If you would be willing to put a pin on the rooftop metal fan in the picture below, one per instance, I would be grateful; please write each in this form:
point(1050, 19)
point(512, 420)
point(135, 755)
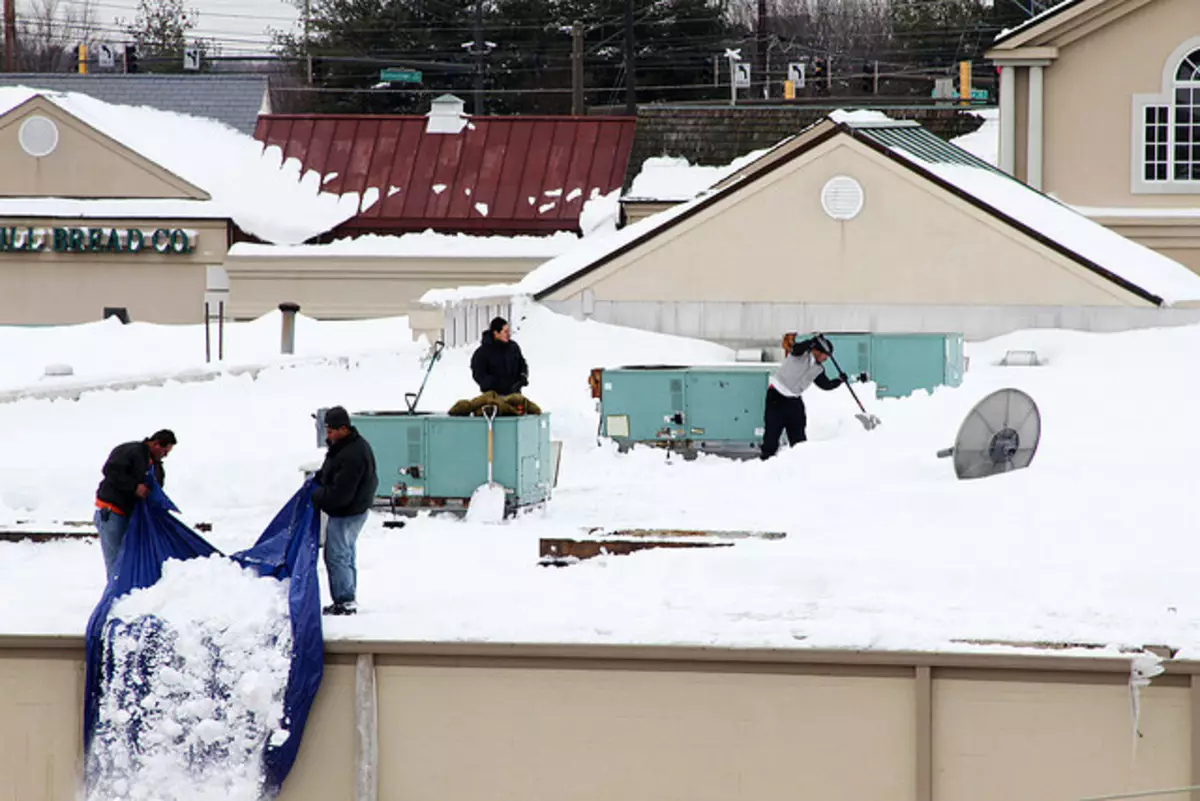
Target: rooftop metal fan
point(1000, 434)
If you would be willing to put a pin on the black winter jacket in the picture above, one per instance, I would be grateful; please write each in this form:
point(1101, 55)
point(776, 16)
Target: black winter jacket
point(499, 366)
point(125, 469)
point(347, 480)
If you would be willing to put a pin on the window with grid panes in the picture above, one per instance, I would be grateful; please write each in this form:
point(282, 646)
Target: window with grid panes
point(1186, 144)
point(1157, 127)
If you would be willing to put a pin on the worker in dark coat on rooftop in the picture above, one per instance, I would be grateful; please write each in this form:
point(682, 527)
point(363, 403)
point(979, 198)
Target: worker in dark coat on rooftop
point(497, 364)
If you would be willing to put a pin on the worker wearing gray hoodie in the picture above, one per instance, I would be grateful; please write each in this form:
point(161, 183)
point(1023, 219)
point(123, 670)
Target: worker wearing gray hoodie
point(803, 365)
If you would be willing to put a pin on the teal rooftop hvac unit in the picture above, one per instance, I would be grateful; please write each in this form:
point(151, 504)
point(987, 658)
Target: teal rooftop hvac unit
point(435, 461)
point(719, 409)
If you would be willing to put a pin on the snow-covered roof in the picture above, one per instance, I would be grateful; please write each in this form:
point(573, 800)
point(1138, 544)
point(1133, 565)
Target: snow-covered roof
point(427, 244)
point(589, 251)
point(1129, 264)
point(667, 178)
point(984, 141)
point(1036, 19)
point(247, 183)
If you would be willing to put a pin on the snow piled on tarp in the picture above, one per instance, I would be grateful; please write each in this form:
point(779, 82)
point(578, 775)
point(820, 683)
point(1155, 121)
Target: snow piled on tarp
point(202, 669)
point(251, 185)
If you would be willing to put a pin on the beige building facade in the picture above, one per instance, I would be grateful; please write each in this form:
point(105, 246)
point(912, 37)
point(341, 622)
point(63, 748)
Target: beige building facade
point(90, 227)
point(463, 722)
point(1100, 108)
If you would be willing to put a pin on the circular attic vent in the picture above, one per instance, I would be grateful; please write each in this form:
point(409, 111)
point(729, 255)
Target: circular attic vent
point(842, 197)
point(38, 136)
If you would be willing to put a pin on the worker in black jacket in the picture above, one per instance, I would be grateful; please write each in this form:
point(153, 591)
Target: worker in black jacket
point(497, 364)
point(124, 483)
point(345, 490)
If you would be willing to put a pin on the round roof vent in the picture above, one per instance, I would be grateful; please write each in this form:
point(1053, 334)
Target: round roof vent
point(38, 136)
point(842, 197)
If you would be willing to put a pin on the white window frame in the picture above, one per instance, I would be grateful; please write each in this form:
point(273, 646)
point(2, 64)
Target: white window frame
point(1166, 97)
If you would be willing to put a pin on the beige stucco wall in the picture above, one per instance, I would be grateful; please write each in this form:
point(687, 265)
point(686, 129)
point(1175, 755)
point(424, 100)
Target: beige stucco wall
point(85, 164)
point(543, 723)
point(1088, 107)
point(324, 769)
point(41, 724)
point(772, 242)
point(598, 735)
point(42, 288)
point(341, 287)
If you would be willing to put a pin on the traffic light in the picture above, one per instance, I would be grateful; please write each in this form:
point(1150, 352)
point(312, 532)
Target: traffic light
point(81, 59)
point(131, 58)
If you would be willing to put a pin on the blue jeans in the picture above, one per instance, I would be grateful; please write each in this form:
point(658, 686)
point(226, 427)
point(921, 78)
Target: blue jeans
point(111, 527)
point(341, 534)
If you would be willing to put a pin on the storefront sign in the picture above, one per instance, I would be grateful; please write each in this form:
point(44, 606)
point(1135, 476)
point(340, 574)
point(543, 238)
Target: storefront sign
point(170, 241)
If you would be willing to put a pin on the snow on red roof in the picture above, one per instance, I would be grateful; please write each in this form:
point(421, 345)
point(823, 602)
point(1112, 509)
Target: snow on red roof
point(497, 175)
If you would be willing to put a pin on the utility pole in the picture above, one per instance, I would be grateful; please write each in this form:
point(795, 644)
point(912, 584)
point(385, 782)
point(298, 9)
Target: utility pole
point(760, 52)
point(577, 69)
point(307, 44)
point(479, 50)
point(10, 35)
point(630, 82)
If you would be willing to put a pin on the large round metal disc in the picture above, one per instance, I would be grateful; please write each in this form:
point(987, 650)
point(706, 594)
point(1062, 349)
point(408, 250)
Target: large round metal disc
point(1000, 434)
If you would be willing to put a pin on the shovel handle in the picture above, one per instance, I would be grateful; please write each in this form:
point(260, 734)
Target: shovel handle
point(489, 412)
point(853, 394)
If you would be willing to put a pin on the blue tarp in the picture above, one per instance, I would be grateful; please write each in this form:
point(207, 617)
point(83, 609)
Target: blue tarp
point(287, 549)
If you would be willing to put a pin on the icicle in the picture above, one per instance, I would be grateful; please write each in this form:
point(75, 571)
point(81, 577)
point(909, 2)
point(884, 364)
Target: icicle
point(1142, 668)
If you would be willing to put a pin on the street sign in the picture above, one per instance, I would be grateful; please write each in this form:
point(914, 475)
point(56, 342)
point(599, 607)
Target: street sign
point(104, 55)
point(400, 75)
point(191, 58)
point(741, 74)
point(796, 74)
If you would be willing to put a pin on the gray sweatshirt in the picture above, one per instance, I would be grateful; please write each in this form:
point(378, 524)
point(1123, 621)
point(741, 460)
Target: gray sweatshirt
point(799, 370)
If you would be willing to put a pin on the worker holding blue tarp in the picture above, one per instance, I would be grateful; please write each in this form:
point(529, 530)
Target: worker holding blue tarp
point(345, 490)
point(126, 481)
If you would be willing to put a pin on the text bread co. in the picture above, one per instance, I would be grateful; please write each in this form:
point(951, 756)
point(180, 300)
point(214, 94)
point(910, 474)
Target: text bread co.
point(97, 240)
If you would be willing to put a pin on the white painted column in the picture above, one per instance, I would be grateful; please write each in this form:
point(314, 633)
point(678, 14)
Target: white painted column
point(1033, 162)
point(1008, 119)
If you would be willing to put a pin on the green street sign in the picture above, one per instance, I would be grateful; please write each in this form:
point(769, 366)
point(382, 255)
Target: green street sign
point(397, 75)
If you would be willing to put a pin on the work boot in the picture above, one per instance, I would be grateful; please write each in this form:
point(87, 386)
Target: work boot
point(340, 608)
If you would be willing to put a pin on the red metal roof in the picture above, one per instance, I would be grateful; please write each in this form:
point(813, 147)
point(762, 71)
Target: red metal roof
point(531, 174)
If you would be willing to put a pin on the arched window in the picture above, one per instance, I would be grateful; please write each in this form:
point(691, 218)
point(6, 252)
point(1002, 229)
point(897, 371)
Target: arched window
point(1168, 155)
point(1186, 162)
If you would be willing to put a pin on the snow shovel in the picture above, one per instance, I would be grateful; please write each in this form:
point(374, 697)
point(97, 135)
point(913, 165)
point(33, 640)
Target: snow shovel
point(487, 501)
point(869, 421)
point(411, 399)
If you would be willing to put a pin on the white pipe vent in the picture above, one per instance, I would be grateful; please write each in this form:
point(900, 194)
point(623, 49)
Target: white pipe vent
point(842, 197)
point(38, 136)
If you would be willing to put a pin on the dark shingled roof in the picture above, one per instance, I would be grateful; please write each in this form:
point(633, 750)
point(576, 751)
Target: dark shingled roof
point(232, 99)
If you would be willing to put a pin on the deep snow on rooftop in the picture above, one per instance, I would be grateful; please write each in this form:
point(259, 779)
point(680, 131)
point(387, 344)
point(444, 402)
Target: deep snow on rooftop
point(884, 547)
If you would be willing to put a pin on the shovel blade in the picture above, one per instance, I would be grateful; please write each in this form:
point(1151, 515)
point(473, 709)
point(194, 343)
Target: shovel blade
point(487, 504)
point(869, 421)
